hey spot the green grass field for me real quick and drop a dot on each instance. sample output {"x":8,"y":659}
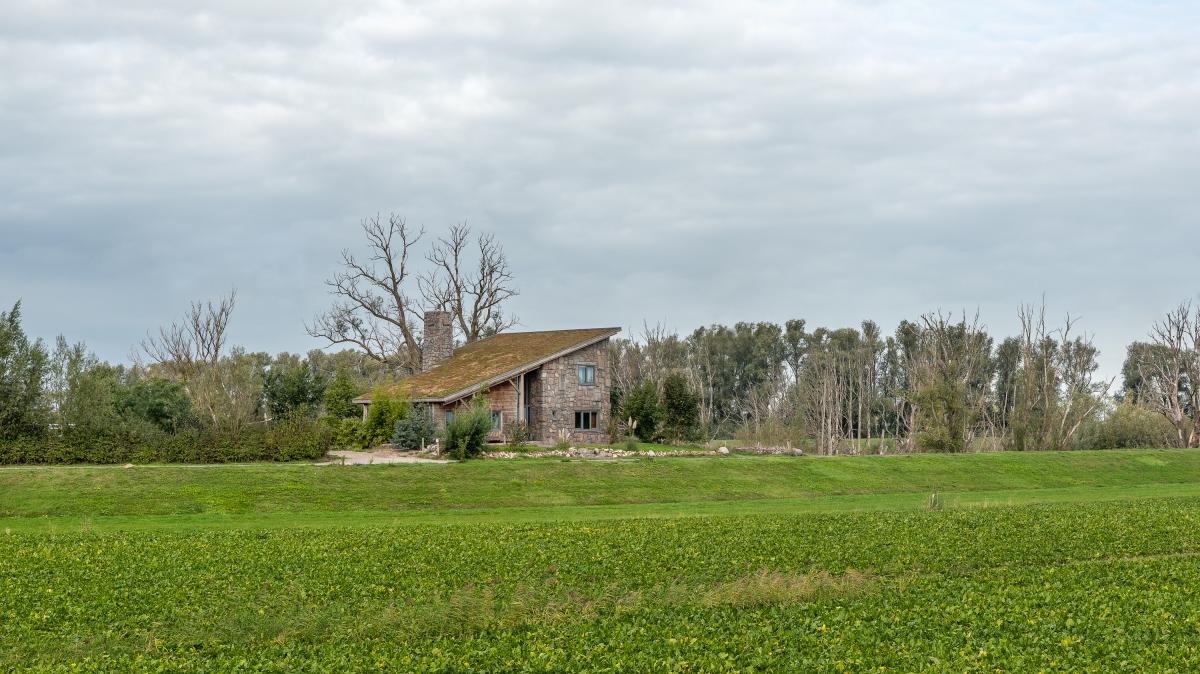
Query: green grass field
{"x":96,"y":491}
{"x":1046,"y":562}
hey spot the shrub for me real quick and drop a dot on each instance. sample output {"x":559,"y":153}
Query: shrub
{"x":1127,"y":425}
{"x":466,"y":432}
{"x":384,"y":411}
{"x":347,"y":433}
{"x":414,"y":432}
{"x":517,"y":433}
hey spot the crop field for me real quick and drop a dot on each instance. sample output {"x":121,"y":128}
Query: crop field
{"x":1094,"y":587}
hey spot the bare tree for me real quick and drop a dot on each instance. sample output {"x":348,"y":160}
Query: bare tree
{"x":185,"y":347}
{"x":1054,"y":392}
{"x":1170,"y":372}
{"x":372,"y":310}
{"x":471,"y":291}
{"x":949,"y":378}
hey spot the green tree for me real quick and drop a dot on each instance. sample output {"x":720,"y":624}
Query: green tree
{"x":156,"y":402}
{"x":82,"y":391}
{"x":293,"y":387}
{"x":339,"y":396}
{"x":23,"y":368}
{"x":641,"y":404}
{"x":680,"y":407}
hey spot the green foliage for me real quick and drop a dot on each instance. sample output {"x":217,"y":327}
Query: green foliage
{"x":415,"y":431}
{"x":467,"y":430}
{"x":1128,"y":424}
{"x":642,"y":405}
{"x":1102,"y":587}
{"x":347,"y":433}
{"x":680,"y":408}
{"x":517,"y":434}
{"x":340,"y":395}
{"x":156,"y":402}
{"x":382,"y":414}
{"x":292,"y":386}
{"x":23,"y":367}
{"x":285,"y":439}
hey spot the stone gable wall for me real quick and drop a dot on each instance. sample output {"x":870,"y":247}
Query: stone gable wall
{"x":557,"y":388}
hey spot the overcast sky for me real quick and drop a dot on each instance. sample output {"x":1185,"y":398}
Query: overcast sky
{"x":686,"y":163}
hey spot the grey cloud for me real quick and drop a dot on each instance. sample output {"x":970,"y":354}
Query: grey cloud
{"x":685,"y":162}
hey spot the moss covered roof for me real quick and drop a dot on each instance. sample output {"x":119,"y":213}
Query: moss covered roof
{"x":495,"y":358}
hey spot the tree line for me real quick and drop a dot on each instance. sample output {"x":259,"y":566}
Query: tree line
{"x":184,"y":397}
{"x":938,"y":383}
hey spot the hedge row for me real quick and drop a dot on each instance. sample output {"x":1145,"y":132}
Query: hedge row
{"x":297,"y":440}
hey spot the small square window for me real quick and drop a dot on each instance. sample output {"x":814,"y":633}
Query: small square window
{"x":587,"y":374}
{"x":495,"y":420}
{"x":585,"y":421}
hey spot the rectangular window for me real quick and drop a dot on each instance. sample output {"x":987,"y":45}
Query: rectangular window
{"x":585,"y":421}
{"x":553,"y":415}
{"x":587,"y":374}
{"x":449,"y":416}
{"x":495,"y":420}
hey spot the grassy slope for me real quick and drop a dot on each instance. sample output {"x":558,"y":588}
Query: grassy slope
{"x":405,"y":490}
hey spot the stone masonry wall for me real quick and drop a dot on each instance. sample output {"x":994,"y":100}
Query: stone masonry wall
{"x":557,"y":388}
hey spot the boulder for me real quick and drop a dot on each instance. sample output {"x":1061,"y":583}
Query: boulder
{"x":723,"y":450}
{"x":650,"y":453}
{"x":797,"y":452}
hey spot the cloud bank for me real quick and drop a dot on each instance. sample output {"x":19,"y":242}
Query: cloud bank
{"x":684,"y":162}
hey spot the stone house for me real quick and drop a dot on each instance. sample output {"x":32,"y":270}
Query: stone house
{"x":556,"y":381}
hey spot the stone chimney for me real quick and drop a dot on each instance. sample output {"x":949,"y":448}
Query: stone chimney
{"x":438,"y":342}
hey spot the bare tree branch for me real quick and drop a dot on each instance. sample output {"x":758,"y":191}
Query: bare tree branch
{"x":473,"y":297}
{"x":1171,"y":372}
{"x":372,"y":311}
{"x":195,"y":342}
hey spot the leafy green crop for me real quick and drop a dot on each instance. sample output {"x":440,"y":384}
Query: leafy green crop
{"x":1098,"y":587}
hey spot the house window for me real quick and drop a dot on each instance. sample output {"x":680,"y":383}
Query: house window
{"x":449,"y":416}
{"x":495,"y":420}
{"x":587,"y":374}
{"x":553,"y":415}
{"x":585,"y":421}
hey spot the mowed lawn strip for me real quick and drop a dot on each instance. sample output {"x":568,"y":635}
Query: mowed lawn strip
{"x":785,"y":506}
{"x":91,"y":491}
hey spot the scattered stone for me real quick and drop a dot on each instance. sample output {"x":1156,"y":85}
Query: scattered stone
{"x":723,"y":450}
{"x":650,"y":453}
{"x":129,"y":465}
{"x":796,"y":451}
